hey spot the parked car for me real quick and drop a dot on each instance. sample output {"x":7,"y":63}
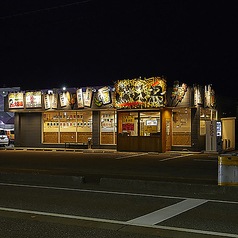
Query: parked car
{"x":4,"y":140}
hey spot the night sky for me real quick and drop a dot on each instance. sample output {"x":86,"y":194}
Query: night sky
{"x":46,"y":44}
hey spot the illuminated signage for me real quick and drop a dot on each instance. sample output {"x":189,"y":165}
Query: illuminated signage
{"x":128,"y":123}
{"x":47,"y":101}
{"x":33,"y":99}
{"x":141,"y":93}
{"x":63,"y":99}
{"x":104,"y":95}
{"x":197,"y":95}
{"x":209,"y":97}
{"x":15,"y":100}
{"x":50,"y":101}
{"x":88,"y":97}
{"x":178,"y":92}
{"x":79,"y":94}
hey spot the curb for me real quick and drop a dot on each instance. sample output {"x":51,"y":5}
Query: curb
{"x":42,"y":179}
{"x":174,"y":189}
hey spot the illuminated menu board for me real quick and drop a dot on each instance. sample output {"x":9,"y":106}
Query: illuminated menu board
{"x":33,"y":99}
{"x":15,"y":100}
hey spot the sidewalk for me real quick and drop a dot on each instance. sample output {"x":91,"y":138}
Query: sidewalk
{"x":94,"y":150}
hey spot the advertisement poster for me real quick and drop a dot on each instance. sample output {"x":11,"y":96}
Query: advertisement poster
{"x":104,"y":95}
{"x":127,"y":123}
{"x":15,"y":100}
{"x":80,"y":98}
{"x":33,"y":99}
{"x":88,"y":97}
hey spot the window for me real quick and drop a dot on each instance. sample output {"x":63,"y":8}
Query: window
{"x":128,"y":123}
{"x":108,"y":128}
{"x":67,"y":127}
{"x":181,"y":131}
{"x":149,"y":123}
{"x":62,"y":127}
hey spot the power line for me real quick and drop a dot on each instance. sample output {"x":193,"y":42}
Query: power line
{"x":45,"y":9}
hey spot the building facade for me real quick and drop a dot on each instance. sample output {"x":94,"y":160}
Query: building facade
{"x":132,"y":115}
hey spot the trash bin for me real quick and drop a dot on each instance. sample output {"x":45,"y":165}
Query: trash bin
{"x":228,"y":169}
{"x":89,"y":142}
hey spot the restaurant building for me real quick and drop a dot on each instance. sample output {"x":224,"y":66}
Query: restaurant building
{"x":132,"y":115}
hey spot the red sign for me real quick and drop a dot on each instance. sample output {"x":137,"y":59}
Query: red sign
{"x":128,"y":126}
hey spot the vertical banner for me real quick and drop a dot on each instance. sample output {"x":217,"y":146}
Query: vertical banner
{"x":88,"y":97}
{"x":47,"y":101}
{"x":80,"y":98}
{"x":63,"y":100}
{"x":197,"y":96}
{"x":54,"y":101}
{"x":211,"y":136}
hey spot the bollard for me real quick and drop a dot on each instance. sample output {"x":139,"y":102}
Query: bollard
{"x":89,"y":143}
{"x":228,"y":169}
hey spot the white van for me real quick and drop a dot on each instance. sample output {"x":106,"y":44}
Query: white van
{"x":3,"y":138}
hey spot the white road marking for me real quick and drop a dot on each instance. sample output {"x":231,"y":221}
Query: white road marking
{"x":176,"y":157}
{"x":168,"y":212}
{"x":118,"y":222}
{"x":130,"y":156}
{"x":110,"y":192}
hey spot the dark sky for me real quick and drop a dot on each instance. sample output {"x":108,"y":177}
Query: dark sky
{"x":46,"y":44}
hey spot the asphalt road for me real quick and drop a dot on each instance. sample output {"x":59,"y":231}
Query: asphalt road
{"x":172,"y":167}
{"x":32,"y":211}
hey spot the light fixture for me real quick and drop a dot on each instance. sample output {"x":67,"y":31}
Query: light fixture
{"x":64,"y":88}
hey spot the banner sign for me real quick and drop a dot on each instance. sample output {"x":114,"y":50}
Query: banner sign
{"x":141,"y":93}
{"x":33,"y":99}
{"x":197,"y":96}
{"x":104,"y":95}
{"x":88,"y":97}
{"x":63,"y":99}
{"x":79,"y":93}
{"x":15,"y":100}
{"x":209,"y":97}
{"x":178,"y":92}
{"x":47,"y":101}
{"x":54,"y":101}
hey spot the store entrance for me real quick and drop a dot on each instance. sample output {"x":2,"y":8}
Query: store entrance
{"x":139,"y":131}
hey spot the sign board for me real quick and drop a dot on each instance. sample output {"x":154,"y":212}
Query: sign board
{"x":15,"y":100}
{"x":150,"y":129}
{"x":211,"y":136}
{"x":80,"y":98}
{"x":141,"y":93}
{"x":104,"y":95}
{"x":88,"y":97}
{"x":33,"y":99}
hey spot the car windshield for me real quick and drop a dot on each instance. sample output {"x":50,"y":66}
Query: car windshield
{"x":2,"y":132}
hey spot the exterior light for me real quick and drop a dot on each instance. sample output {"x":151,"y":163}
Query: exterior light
{"x":64,"y":88}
